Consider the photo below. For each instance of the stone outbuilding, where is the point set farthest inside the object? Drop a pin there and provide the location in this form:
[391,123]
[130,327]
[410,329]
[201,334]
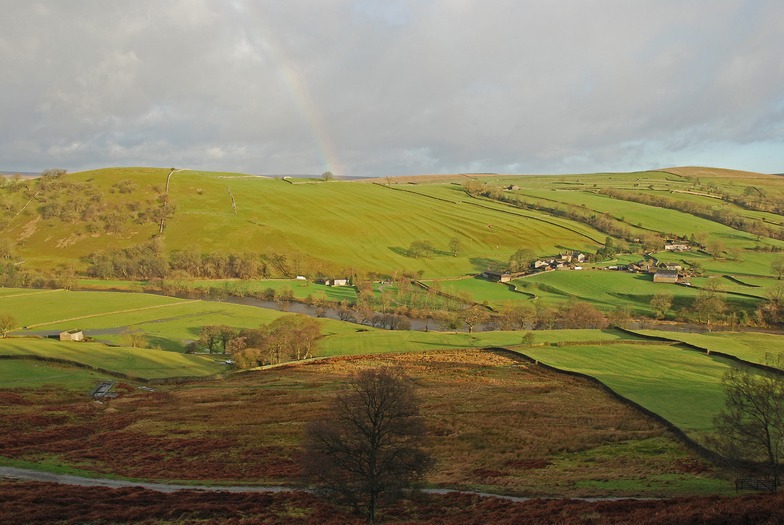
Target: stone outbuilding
[72,335]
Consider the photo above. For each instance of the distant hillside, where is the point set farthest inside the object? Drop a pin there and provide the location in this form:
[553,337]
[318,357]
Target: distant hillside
[467,222]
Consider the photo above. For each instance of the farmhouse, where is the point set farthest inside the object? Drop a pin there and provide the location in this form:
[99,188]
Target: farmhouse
[72,335]
[501,277]
[666,276]
[673,246]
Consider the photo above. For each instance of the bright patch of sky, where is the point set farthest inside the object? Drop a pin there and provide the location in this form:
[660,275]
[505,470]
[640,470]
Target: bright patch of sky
[379,87]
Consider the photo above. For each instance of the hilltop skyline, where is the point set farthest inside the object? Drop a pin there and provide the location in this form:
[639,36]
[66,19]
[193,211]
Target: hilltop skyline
[371,89]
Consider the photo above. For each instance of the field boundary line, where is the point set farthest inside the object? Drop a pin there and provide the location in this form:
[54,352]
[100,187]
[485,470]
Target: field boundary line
[130,310]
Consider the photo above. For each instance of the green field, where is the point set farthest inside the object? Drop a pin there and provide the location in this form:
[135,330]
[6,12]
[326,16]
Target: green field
[135,362]
[680,385]
[749,346]
[22,373]
[384,341]
[668,222]
[341,224]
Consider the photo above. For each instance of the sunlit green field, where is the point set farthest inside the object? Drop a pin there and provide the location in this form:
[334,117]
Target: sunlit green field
[299,289]
[750,346]
[669,222]
[136,362]
[480,290]
[384,341]
[680,385]
[607,289]
[22,373]
[751,263]
[361,226]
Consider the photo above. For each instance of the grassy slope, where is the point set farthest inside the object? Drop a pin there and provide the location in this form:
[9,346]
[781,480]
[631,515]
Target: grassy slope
[348,225]
[680,385]
[749,346]
[333,227]
[137,362]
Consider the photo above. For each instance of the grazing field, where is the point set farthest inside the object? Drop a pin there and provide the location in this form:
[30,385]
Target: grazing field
[61,306]
[494,424]
[136,362]
[605,289]
[343,226]
[384,341]
[748,346]
[23,373]
[299,289]
[680,385]
[479,290]
[668,222]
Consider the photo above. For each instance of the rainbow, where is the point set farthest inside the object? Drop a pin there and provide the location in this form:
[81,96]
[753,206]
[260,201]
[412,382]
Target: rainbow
[262,38]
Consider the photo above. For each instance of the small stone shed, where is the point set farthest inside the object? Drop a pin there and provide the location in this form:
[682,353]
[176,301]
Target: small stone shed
[666,276]
[72,335]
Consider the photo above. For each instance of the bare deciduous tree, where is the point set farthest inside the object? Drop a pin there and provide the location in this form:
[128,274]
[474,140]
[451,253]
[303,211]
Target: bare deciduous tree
[750,427]
[371,446]
[7,323]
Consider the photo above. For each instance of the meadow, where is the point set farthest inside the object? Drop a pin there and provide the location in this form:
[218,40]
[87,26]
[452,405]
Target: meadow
[680,385]
[142,363]
[752,347]
[361,226]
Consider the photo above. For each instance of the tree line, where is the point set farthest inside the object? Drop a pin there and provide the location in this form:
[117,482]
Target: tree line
[148,261]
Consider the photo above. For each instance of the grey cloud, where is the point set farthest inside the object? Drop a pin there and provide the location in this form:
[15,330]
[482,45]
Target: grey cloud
[381,88]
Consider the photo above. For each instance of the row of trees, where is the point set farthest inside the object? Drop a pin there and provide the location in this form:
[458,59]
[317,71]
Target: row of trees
[148,261]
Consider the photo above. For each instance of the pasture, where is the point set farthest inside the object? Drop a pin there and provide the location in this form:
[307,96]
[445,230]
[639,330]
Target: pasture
[23,373]
[366,227]
[604,289]
[669,222]
[682,386]
[753,347]
[134,362]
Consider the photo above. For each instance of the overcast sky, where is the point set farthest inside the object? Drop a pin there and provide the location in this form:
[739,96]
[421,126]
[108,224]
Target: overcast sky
[385,87]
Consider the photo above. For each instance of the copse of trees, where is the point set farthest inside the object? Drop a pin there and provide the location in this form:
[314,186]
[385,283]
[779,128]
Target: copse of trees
[290,337]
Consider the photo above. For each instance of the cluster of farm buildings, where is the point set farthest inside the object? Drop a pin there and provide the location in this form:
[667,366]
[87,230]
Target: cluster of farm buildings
[662,272]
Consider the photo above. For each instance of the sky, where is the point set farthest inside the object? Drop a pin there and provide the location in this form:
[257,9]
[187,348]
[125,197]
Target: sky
[375,88]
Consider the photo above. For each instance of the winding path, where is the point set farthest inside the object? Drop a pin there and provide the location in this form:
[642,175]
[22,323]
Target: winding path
[67,479]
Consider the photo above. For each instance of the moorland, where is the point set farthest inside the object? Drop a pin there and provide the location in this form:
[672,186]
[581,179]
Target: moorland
[552,354]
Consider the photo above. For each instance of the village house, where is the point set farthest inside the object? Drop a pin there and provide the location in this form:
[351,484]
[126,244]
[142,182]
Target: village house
[72,335]
[666,276]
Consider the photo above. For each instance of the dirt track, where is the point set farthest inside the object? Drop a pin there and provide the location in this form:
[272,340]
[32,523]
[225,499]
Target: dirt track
[67,479]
